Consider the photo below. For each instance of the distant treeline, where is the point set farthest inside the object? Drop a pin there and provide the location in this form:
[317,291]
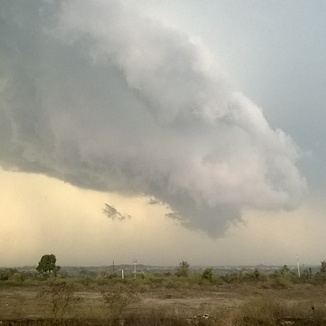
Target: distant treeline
[273,276]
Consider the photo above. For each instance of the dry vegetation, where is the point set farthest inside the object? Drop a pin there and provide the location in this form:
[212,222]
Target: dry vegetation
[280,298]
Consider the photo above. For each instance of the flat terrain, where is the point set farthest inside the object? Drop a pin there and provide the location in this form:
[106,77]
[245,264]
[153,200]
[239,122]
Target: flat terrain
[226,301]
[25,302]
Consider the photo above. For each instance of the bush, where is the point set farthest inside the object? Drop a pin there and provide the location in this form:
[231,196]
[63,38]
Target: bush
[60,298]
[16,277]
[183,269]
[270,311]
[261,311]
[117,298]
[207,274]
[284,277]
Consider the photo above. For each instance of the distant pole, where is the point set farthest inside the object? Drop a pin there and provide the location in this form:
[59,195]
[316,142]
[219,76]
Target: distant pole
[113,267]
[122,274]
[298,265]
[135,268]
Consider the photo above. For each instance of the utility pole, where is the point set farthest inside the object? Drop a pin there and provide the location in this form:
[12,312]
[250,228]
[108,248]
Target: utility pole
[135,268]
[298,264]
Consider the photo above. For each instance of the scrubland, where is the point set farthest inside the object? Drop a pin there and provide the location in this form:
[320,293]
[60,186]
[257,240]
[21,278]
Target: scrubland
[238,298]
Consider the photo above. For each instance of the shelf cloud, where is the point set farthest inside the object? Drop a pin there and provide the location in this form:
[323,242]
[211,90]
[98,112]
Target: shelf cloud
[98,95]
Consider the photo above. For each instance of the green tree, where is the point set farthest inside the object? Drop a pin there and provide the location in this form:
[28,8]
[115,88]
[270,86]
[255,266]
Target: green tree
[183,269]
[323,267]
[47,265]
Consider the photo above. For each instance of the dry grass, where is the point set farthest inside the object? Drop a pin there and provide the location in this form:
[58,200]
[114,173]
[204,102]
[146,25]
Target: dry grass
[242,305]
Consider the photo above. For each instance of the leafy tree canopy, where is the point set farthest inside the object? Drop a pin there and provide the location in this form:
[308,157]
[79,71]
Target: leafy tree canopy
[47,265]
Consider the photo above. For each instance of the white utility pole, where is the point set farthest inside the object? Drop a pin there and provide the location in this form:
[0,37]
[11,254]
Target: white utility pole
[298,264]
[135,268]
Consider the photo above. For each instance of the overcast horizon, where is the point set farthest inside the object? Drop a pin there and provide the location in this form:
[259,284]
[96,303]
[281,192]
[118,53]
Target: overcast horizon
[162,132]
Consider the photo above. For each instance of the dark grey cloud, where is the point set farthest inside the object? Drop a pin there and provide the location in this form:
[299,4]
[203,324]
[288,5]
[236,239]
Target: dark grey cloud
[99,96]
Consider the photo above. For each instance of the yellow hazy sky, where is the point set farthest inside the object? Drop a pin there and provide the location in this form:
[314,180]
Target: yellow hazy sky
[43,215]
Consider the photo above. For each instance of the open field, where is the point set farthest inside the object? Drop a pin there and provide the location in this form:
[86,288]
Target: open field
[181,296]
[176,304]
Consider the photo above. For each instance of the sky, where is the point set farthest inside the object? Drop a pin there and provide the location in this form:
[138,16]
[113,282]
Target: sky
[162,131]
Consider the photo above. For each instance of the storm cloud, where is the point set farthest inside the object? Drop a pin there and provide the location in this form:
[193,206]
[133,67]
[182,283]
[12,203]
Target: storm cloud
[96,94]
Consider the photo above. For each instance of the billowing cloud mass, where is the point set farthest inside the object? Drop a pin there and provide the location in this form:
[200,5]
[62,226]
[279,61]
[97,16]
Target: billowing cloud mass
[95,94]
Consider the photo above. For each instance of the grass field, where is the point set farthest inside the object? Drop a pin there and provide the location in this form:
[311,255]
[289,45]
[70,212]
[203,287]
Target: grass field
[185,297]
[173,302]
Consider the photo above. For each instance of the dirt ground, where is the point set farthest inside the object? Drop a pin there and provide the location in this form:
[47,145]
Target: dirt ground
[25,302]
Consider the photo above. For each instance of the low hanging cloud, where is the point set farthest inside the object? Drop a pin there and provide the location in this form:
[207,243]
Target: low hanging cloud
[93,93]
[113,214]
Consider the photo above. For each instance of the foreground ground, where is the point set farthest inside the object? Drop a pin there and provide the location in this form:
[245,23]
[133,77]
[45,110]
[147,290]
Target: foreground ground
[242,304]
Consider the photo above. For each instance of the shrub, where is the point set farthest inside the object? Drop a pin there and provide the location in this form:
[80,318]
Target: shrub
[259,311]
[16,277]
[207,274]
[117,298]
[60,297]
[183,269]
